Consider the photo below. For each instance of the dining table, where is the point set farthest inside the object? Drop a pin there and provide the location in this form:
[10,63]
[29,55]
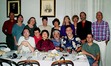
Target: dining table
[47,58]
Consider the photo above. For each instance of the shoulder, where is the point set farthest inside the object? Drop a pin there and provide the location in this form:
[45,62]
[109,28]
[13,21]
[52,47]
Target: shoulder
[22,37]
[96,45]
[40,26]
[105,22]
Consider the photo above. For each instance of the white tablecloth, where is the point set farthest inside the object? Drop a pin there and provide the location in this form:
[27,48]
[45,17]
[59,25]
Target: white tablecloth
[78,60]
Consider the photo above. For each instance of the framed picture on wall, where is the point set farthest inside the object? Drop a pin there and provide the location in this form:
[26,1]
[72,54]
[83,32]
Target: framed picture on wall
[13,6]
[47,8]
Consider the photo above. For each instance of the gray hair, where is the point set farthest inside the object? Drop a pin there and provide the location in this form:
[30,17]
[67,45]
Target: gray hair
[56,31]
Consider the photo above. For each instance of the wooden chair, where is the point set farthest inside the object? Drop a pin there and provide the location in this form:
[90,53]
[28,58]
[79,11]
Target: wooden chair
[28,62]
[62,62]
[9,62]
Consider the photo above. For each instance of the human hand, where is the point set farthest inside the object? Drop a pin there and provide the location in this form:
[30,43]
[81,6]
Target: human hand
[93,57]
[25,43]
[95,63]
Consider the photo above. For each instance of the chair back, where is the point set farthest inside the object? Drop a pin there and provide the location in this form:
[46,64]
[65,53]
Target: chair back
[62,62]
[4,62]
[28,62]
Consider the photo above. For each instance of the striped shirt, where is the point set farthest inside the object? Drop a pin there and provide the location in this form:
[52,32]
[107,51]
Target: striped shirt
[101,30]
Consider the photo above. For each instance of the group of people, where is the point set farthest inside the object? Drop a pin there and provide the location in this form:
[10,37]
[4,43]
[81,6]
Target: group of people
[88,37]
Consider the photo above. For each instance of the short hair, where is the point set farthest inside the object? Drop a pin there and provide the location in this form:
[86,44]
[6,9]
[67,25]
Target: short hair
[55,21]
[68,27]
[19,16]
[36,29]
[56,31]
[25,29]
[75,16]
[90,34]
[45,31]
[44,17]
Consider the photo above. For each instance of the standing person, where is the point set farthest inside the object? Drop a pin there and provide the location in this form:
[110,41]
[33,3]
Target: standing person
[83,27]
[75,20]
[101,32]
[91,50]
[31,25]
[66,22]
[7,30]
[17,29]
[26,43]
[45,25]
[56,24]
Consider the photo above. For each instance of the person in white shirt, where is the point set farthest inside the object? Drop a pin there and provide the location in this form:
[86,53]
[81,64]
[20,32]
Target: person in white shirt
[26,43]
[45,26]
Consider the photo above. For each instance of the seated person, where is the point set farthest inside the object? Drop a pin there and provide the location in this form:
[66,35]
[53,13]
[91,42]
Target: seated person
[37,35]
[26,43]
[45,44]
[56,39]
[70,41]
[91,50]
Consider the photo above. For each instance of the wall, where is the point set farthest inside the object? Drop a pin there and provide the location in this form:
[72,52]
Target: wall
[31,8]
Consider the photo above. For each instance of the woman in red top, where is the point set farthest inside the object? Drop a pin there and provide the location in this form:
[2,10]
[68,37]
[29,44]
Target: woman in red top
[45,44]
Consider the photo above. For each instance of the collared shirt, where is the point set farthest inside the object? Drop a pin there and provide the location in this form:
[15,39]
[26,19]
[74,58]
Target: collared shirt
[45,45]
[101,30]
[7,27]
[74,43]
[56,43]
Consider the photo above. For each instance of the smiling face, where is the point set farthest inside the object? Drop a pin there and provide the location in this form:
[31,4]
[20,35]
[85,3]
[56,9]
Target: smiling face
[37,33]
[67,21]
[11,15]
[44,35]
[26,33]
[56,24]
[99,16]
[32,21]
[75,20]
[44,21]
[82,16]
[20,19]
[69,31]
[56,35]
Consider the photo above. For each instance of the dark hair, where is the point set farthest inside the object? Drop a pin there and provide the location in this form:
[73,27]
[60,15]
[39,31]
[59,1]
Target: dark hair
[44,17]
[75,16]
[83,13]
[91,35]
[37,29]
[45,31]
[30,19]
[19,16]
[68,27]
[25,29]
[56,20]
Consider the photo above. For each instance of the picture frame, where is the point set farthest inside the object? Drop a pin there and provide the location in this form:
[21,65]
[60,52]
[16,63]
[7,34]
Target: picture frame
[14,6]
[47,8]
